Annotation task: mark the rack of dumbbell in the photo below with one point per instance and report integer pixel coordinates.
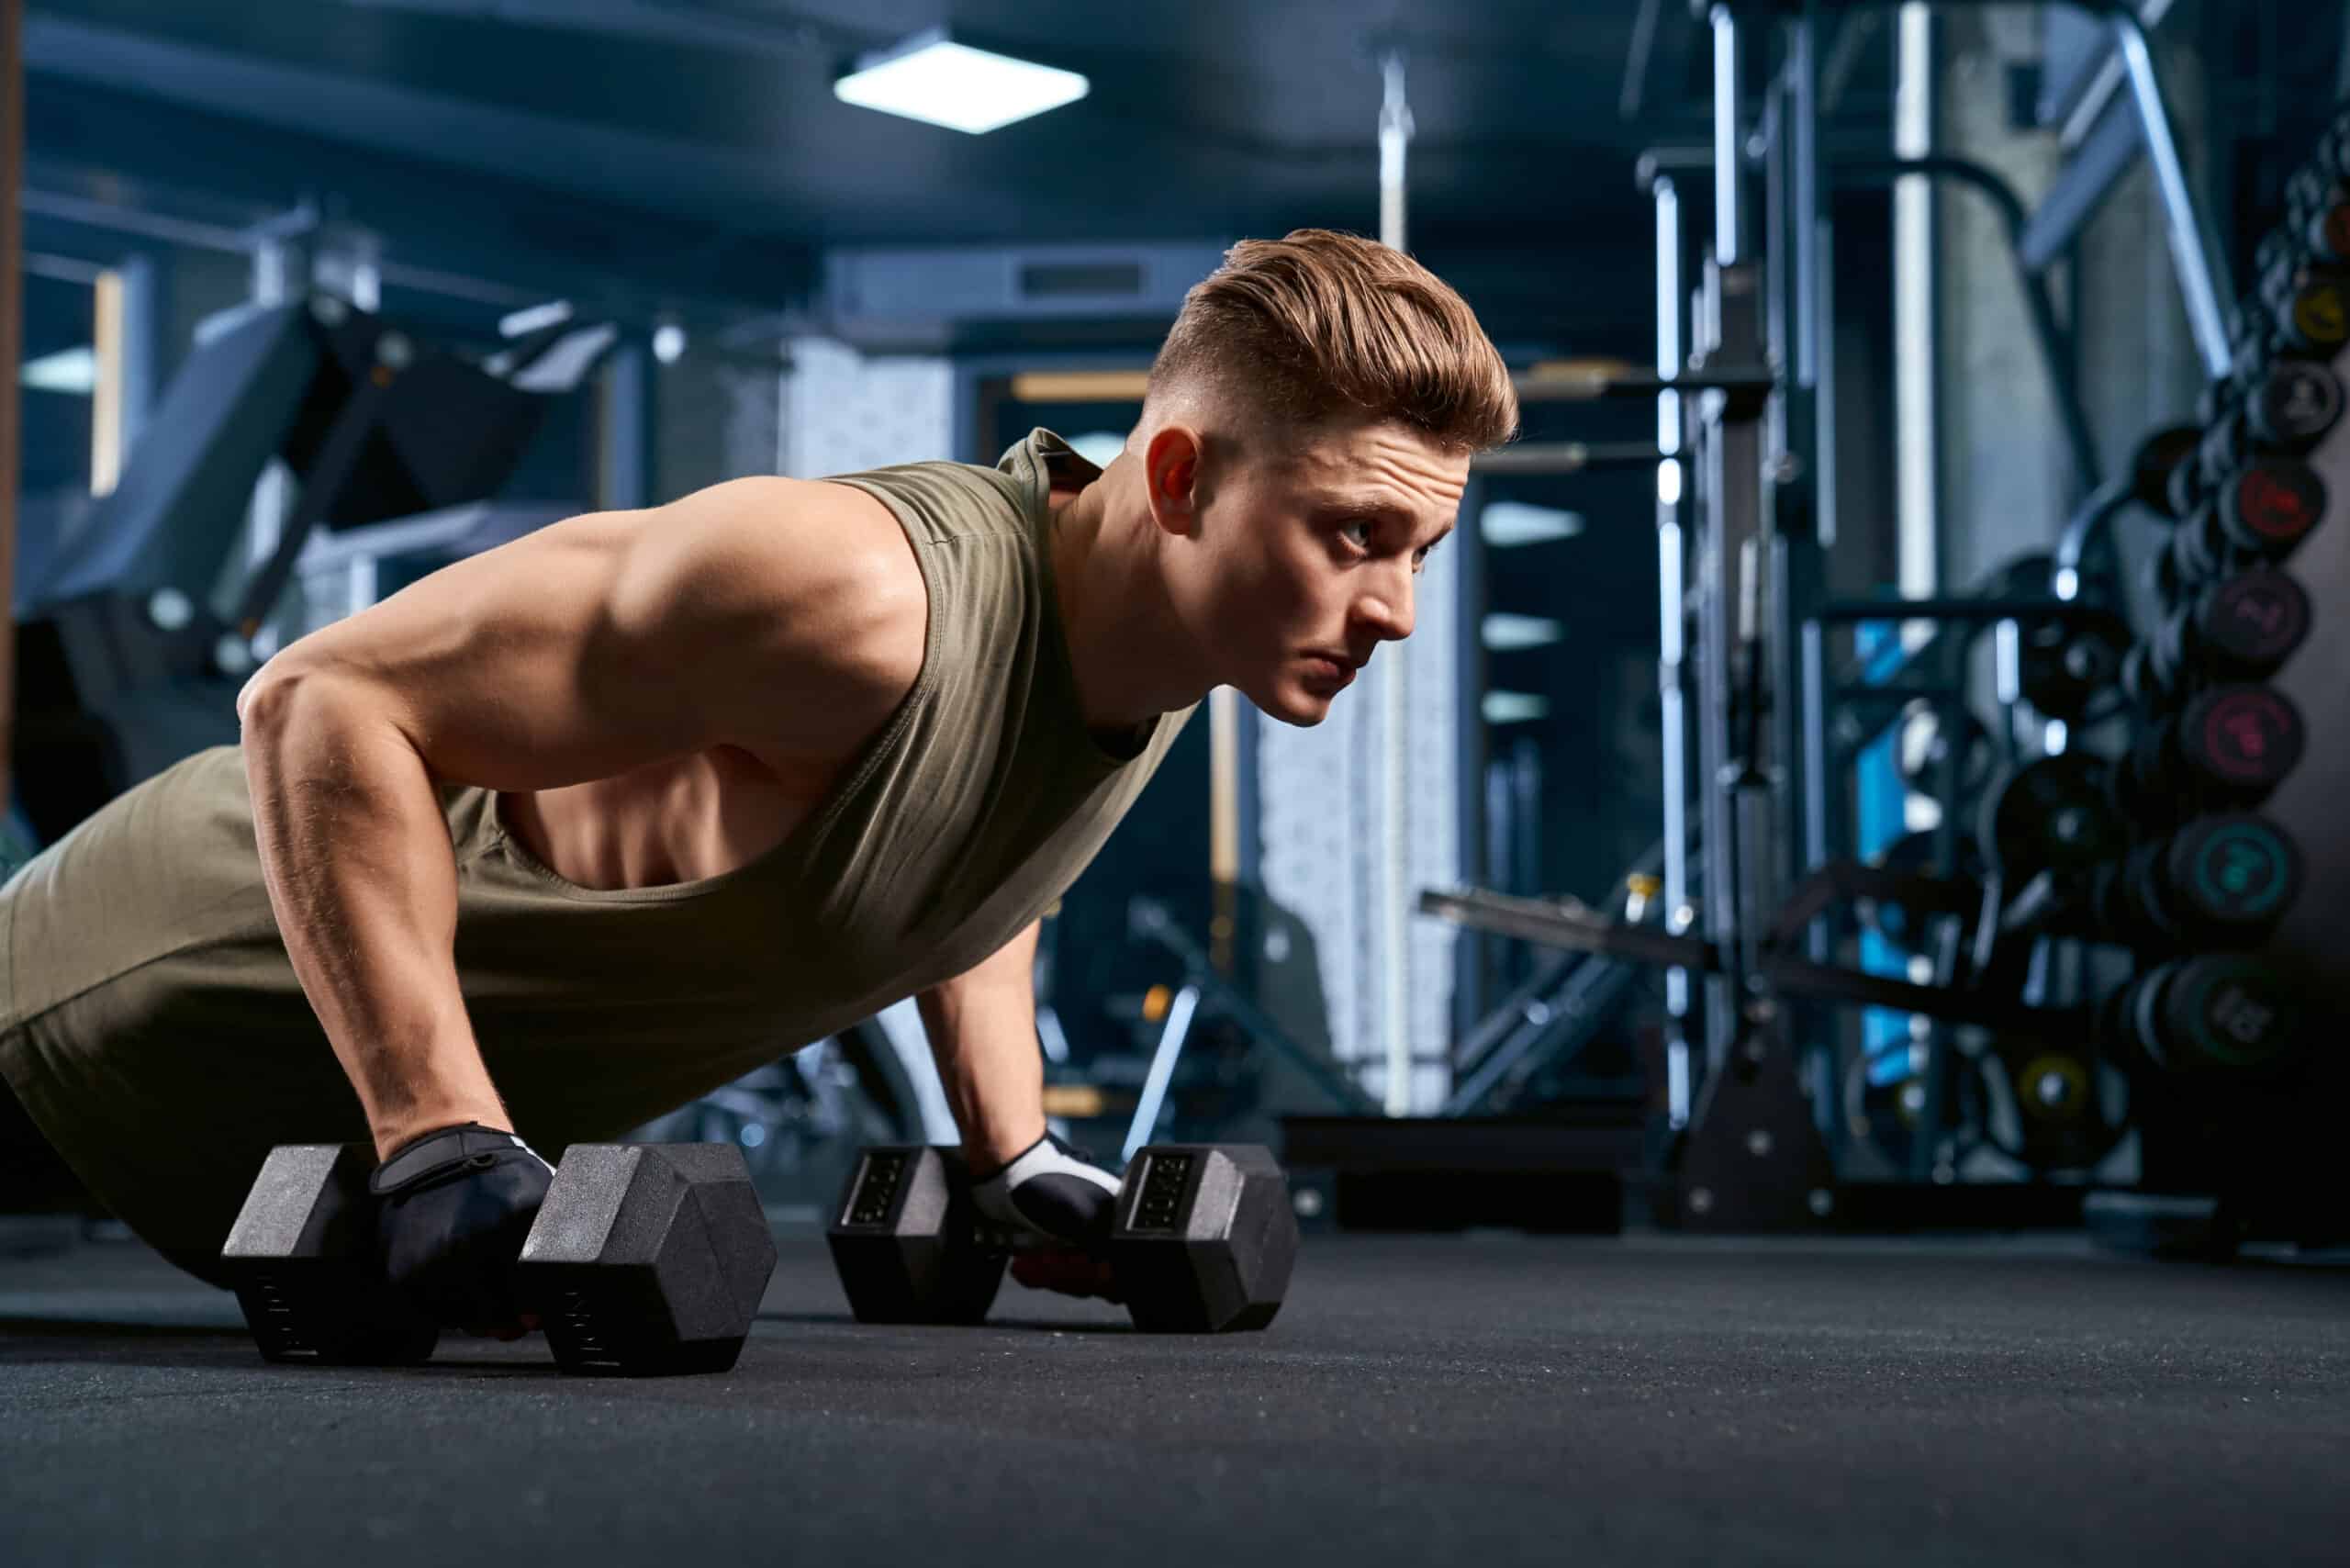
(1922, 1104)
(2216, 1034)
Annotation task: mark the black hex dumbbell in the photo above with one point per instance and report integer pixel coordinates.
(1203, 1239)
(644, 1259)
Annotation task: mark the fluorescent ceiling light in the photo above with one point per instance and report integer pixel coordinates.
(1503, 633)
(1513, 707)
(933, 78)
(1505, 524)
(68, 370)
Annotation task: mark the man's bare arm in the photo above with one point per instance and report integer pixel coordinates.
(982, 1029)
(784, 618)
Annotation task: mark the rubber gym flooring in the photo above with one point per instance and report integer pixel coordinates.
(1484, 1398)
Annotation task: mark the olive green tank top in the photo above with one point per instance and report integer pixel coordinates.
(152, 1024)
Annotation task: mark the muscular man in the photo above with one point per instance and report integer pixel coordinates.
(575, 831)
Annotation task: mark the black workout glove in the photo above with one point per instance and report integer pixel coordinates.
(452, 1209)
(1058, 1193)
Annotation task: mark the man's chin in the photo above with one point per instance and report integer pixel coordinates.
(1302, 710)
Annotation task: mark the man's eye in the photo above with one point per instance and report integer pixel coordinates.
(1352, 529)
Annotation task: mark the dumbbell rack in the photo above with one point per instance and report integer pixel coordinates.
(2274, 450)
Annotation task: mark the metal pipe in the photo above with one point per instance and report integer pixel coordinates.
(2199, 268)
(1394, 708)
(1728, 216)
(1162, 1070)
(12, 354)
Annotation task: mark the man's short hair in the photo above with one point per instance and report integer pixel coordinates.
(1322, 324)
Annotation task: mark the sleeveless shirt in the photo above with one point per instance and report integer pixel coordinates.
(154, 1026)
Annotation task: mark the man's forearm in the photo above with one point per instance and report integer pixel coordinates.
(982, 1029)
(361, 875)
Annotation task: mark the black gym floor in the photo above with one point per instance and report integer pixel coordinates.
(1481, 1399)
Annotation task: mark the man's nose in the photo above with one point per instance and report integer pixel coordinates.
(1388, 611)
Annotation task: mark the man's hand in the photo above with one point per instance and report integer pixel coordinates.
(1055, 1190)
(453, 1210)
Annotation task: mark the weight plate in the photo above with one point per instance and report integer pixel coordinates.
(2297, 401)
(2254, 619)
(2318, 317)
(2330, 231)
(2052, 1087)
(1922, 751)
(2245, 737)
(2270, 504)
(2231, 871)
(2051, 813)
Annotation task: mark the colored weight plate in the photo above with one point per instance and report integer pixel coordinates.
(2315, 317)
(2063, 1126)
(2151, 464)
(2326, 232)
(2244, 738)
(2232, 872)
(2049, 814)
(2270, 504)
(2252, 620)
(2294, 403)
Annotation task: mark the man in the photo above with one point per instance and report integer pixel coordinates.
(575, 830)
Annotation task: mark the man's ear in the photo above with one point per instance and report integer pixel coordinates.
(1171, 469)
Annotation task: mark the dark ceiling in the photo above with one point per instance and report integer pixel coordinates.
(693, 148)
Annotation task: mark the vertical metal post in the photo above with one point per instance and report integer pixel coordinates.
(1394, 945)
(12, 354)
(1916, 421)
(1802, 125)
(1729, 215)
(1672, 721)
(2201, 270)
(624, 430)
(1729, 552)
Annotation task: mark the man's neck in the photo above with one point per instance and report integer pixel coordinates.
(1132, 658)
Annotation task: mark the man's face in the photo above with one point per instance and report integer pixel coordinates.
(1303, 562)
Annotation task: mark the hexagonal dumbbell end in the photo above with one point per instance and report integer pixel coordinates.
(903, 1239)
(1206, 1238)
(648, 1259)
(301, 1256)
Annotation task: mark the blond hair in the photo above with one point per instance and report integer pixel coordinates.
(1322, 324)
